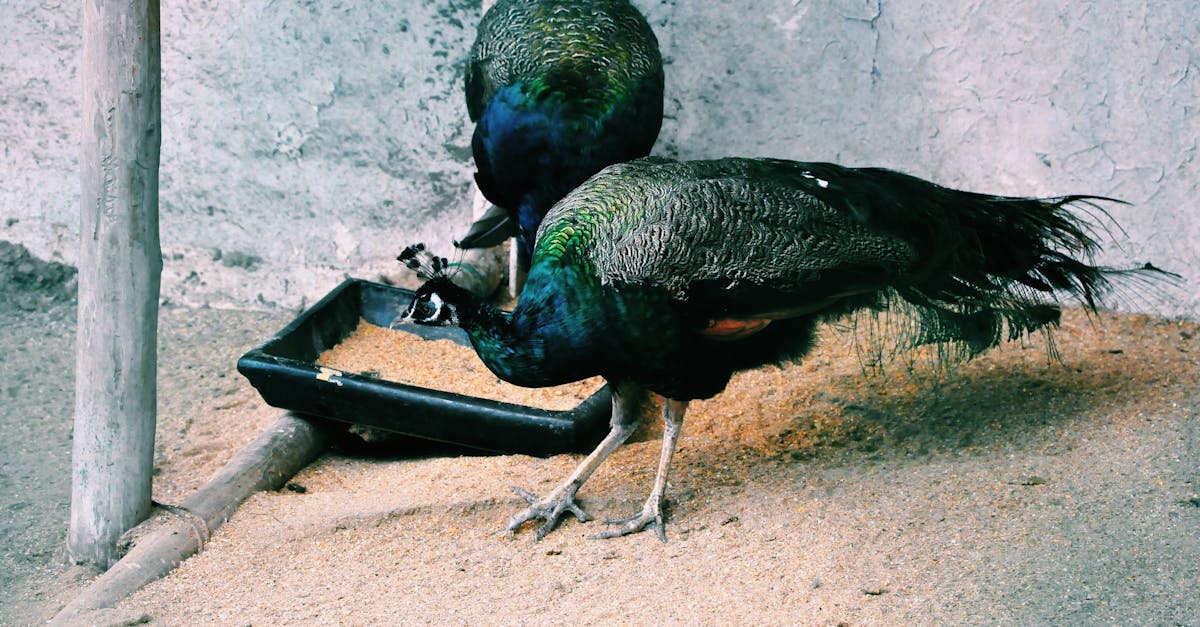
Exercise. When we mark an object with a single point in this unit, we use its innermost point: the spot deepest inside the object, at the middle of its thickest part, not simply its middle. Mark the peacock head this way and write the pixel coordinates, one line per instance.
(438, 301)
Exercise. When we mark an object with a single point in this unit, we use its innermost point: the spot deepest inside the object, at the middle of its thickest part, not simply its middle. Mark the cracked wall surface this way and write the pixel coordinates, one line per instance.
(307, 141)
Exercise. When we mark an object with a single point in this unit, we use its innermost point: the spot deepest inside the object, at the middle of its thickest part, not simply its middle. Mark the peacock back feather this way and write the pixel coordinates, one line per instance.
(793, 243)
(596, 54)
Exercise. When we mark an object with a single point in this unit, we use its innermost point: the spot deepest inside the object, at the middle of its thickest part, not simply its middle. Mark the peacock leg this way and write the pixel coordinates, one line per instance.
(626, 398)
(652, 511)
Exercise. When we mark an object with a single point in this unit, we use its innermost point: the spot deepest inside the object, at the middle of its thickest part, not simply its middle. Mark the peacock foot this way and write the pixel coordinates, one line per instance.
(550, 508)
(650, 516)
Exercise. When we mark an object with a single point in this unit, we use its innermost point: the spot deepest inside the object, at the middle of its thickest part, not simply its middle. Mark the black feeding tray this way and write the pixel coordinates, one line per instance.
(283, 371)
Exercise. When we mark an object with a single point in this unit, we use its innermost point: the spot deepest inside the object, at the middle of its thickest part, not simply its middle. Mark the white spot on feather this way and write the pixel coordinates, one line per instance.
(822, 183)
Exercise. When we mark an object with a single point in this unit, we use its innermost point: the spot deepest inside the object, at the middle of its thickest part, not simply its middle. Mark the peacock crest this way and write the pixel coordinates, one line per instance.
(423, 262)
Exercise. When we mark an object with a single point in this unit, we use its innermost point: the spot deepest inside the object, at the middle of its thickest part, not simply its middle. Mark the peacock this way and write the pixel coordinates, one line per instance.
(670, 276)
(558, 89)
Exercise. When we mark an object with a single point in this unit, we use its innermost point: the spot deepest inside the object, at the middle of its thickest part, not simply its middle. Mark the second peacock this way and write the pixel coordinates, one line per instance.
(670, 276)
(558, 89)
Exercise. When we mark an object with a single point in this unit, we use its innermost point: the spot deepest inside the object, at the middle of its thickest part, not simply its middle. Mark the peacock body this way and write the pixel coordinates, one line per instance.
(671, 276)
(558, 89)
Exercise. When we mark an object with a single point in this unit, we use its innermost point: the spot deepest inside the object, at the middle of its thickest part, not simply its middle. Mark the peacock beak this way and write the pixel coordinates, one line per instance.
(400, 320)
(405, 317)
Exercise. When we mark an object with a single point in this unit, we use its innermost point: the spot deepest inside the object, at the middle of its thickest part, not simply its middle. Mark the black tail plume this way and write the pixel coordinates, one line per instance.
(993, 267)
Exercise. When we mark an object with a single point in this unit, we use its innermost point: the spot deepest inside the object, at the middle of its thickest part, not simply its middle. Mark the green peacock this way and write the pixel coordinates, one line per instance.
(558, 89)
(670, 276)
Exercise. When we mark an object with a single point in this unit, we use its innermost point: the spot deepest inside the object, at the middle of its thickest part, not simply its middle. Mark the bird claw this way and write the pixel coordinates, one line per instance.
(550, 508)
(650, 516)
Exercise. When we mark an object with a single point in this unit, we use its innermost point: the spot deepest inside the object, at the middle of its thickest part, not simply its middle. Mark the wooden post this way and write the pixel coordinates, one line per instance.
(119, 267)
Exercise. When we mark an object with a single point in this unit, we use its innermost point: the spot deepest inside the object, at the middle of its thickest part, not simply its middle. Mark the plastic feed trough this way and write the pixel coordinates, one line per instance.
(284, 372)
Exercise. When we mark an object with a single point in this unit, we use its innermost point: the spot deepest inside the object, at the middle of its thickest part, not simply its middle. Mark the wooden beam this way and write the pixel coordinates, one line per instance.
(119, 267)
(264, 464)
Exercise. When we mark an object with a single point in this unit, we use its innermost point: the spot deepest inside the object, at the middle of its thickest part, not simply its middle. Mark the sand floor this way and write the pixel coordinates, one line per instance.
(1008, 490)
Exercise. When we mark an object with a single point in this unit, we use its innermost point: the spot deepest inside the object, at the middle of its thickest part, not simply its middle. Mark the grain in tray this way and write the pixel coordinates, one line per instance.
(443, 365)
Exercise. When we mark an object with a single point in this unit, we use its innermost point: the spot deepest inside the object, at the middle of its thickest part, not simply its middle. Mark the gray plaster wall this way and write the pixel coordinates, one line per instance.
(307, 141)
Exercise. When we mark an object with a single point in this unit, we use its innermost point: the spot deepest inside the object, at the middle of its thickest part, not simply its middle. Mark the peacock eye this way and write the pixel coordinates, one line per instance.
(426, 310)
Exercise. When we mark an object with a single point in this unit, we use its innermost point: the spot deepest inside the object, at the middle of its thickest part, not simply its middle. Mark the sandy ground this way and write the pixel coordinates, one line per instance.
(1008, 490)
(206, 413)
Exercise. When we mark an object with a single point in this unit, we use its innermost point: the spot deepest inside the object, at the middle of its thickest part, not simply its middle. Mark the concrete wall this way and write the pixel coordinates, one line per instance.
(305, 141)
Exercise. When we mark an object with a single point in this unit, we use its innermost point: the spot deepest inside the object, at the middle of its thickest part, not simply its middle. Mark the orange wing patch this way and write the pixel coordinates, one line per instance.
(730, 329)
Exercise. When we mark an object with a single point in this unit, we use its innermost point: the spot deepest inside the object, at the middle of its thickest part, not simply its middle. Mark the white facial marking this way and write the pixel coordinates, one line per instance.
(439, 306)
(438, 303)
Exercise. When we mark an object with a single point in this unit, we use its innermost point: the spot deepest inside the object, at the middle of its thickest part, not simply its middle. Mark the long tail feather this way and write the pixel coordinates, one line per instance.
(1012, 260)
